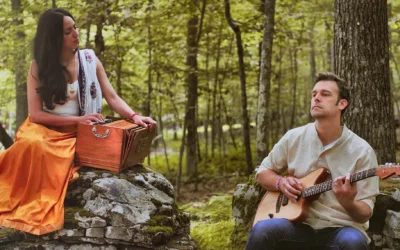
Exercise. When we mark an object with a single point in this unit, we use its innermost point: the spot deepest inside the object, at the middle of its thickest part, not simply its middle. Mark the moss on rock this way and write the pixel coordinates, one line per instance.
(69, 216)
(157, 229)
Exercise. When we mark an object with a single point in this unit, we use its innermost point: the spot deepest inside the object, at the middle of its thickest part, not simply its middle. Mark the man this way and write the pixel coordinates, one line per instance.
(338, 218)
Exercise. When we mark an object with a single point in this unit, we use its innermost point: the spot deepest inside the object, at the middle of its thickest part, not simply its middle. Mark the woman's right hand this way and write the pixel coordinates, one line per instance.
(90, 118)
(291, 188)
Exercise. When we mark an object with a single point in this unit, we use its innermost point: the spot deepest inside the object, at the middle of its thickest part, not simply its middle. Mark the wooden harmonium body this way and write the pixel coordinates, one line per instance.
(113, 145)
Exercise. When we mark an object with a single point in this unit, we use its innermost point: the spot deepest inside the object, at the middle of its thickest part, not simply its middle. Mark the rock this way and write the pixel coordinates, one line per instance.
(396, 195)
(383, 203)
(103, 210)
(392, 224)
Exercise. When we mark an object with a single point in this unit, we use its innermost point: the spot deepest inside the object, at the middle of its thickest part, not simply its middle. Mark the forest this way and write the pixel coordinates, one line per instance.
(224, 79)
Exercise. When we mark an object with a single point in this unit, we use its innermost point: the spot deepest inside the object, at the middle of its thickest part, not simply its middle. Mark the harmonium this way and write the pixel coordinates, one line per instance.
(112, 145)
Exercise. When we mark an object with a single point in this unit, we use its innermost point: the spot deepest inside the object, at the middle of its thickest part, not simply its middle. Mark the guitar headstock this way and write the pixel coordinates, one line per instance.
(385, 171)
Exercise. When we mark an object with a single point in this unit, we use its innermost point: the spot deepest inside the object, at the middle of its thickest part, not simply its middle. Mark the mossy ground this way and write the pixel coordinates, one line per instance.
(212, 224)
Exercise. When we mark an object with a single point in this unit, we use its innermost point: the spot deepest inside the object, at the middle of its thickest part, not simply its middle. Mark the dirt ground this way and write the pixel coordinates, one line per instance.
(207, 187)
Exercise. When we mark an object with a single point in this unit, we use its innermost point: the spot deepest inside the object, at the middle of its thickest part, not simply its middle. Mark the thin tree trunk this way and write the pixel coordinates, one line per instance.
(179, 172)
(263, 110)
(313, 67)
(278, 128)
(214, 96)
(19, 62)
(245, 117)
(98, 38)
(192, 80)
(149, 72)
(329, 51)
(208, 100)
(294, 86)
(161, 124)
(395, 90)
(5, 139)
(227, 117)
(361, 44)
(149, 78)
(88, 25)
(220, 84)
(54, 5)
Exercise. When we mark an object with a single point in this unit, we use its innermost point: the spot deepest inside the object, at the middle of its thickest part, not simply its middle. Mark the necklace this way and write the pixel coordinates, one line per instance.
(71, 88)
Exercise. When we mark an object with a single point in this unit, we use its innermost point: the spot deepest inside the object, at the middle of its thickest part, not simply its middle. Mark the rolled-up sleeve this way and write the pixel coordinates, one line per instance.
(277, 158)
(368, 189)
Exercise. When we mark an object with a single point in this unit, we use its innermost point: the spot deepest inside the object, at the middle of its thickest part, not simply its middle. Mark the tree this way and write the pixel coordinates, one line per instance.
(361, 57)
(263, 124)
(192, 81)
(5, 139)
(19, 63)
(242, 74)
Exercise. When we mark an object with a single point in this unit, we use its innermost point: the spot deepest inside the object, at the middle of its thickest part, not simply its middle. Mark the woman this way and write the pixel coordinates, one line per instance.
(65, 87)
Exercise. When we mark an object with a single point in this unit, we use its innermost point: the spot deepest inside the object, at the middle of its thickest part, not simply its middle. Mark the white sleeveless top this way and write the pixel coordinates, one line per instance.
(71, 106)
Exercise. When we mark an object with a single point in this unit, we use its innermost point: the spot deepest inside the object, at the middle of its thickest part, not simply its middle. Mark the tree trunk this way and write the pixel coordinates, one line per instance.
(5, 139)
(279, 119)
(160, 125)
(208, 100)
(313, 67)
(149, 72)
(190, 119)
(329, 51)
(394, 88)
(88, 25)
(214, 96)
(19, 64)
(181, 152)
(242, 73)
(228, 118)
(293, 55)
(149, 78)
(362, 58)
(98, 38)
(263, 117)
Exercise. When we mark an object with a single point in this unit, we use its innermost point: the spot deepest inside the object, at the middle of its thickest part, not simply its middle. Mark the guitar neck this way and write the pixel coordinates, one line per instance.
(327, 185)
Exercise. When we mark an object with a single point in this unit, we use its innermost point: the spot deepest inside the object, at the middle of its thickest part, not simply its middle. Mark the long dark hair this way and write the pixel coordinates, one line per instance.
(47, 47)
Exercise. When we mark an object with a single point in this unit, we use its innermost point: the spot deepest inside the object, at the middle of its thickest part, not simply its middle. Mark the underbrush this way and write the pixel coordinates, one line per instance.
(211, 222)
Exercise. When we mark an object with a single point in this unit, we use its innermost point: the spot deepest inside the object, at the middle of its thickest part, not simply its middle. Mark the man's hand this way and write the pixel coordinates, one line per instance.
(291, 187)
(344, 191)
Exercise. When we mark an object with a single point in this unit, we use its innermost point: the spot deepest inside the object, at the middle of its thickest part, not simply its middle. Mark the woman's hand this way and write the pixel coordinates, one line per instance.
(90, 118)
(144, 121)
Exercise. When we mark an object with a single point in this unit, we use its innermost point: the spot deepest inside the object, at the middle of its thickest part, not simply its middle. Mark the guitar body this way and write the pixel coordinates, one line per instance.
(276, 205)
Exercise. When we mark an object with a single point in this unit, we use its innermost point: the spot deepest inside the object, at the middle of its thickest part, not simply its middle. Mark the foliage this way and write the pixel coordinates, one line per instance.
(388, 186)
(212, 225)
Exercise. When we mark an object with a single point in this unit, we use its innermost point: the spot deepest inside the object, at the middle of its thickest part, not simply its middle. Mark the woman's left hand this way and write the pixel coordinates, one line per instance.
(144, 121)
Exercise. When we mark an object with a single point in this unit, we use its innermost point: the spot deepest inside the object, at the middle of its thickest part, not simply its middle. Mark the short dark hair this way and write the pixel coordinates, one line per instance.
(344, 92)
(47, 47)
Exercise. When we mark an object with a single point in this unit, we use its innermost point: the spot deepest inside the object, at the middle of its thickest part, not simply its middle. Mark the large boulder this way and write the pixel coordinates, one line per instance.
(103, 210)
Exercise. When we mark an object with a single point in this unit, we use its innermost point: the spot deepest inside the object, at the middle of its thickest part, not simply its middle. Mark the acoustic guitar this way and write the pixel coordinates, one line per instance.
(277, 205)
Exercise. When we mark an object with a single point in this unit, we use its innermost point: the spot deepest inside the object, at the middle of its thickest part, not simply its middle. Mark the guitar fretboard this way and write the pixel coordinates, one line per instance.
(327, 185)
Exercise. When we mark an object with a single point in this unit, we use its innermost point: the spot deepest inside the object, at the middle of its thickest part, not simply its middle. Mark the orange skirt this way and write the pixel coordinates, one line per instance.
(34, 174)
